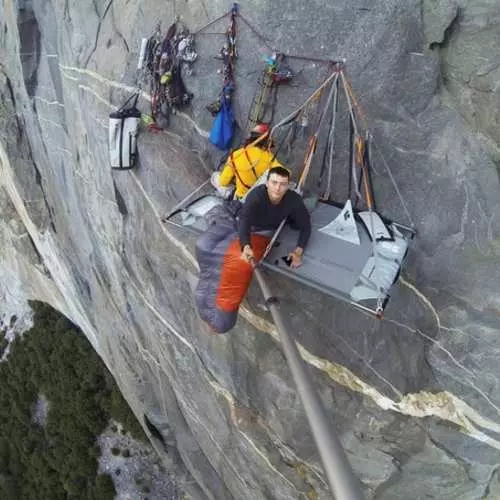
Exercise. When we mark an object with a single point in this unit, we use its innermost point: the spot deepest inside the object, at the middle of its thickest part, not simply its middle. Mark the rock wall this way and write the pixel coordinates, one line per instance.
(414, 397)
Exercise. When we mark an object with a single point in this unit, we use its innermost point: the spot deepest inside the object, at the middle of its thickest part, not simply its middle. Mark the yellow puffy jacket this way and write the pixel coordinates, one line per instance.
(246, 165)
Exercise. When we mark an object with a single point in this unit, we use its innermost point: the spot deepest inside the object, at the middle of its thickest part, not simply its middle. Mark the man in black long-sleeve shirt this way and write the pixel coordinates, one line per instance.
(266, 206)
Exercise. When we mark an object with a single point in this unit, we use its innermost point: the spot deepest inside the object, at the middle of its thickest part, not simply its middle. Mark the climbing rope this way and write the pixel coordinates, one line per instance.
(314, 96)
(313, 59)
(357, 159)
(355, 104)
(199, 30)
(354, 174)
(314, 139)
(330, 148)
(264, 40)
(386, 165)
(354, 109)
(311, 147)
(393, 180)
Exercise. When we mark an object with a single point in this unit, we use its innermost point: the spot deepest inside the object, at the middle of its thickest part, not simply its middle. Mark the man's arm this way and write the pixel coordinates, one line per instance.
(303, 221)
(246, 217)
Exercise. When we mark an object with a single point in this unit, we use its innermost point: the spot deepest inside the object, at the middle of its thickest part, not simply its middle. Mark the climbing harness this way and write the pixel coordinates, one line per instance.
(251, 164)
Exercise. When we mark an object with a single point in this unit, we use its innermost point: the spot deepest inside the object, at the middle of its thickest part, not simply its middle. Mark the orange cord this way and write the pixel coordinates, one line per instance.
(355, 103)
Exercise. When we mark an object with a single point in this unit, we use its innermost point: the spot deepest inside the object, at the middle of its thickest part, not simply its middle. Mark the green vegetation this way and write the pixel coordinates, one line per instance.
(3, 343)
(104, 487)
(58, 460)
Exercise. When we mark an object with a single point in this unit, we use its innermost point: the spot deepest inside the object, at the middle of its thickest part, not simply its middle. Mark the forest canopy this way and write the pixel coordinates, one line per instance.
(56, 460)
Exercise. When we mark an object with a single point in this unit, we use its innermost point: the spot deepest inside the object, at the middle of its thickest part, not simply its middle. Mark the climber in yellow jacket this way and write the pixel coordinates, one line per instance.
(245, 165)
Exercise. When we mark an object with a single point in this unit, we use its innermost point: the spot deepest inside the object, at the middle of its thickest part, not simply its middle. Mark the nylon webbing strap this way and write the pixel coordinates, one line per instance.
(251, 164)
(235, 170)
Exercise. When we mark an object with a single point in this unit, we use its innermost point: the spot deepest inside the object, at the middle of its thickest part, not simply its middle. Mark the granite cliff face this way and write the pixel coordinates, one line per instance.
(415, 398)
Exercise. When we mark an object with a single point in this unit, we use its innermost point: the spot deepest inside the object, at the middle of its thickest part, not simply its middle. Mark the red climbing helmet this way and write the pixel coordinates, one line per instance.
(260, 129)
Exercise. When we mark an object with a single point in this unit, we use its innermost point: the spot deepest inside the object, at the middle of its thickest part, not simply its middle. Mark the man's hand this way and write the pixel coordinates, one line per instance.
(247, 254)
(296, 257)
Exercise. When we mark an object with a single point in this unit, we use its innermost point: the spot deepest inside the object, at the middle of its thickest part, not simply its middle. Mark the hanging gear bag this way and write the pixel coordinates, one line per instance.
(123, 128)
(223, 126)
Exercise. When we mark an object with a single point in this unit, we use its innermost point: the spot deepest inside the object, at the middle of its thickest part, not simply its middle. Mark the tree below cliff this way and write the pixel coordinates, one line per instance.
(58, 459)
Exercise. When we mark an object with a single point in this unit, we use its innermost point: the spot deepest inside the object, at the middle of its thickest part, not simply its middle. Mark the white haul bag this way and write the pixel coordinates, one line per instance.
(123, 129)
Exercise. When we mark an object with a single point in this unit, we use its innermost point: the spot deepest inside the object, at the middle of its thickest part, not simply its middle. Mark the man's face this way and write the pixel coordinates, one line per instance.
(277, 186)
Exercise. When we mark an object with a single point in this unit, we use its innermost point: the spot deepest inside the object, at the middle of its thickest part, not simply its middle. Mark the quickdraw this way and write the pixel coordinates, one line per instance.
(228, 54)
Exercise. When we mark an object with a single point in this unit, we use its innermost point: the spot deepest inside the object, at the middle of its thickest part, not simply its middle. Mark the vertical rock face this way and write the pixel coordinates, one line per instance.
(470, 64)
(415, 397)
